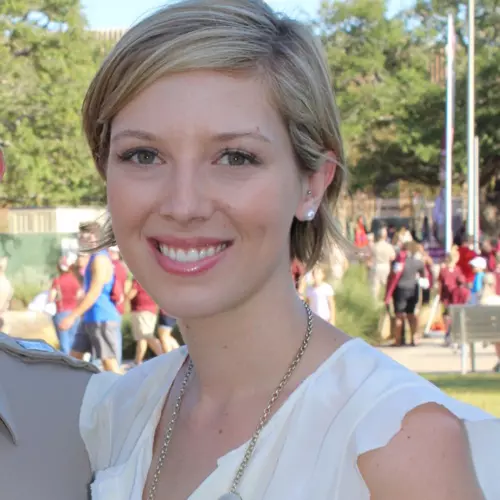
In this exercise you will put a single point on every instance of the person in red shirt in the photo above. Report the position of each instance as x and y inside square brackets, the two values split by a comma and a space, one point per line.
[448, 279]
[461, 294]
[143, 317]
[466, 254]
[360, 236]
[65, 291]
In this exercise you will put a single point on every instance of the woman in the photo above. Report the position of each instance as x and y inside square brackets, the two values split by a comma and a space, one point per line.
[143, 313]
[216, 118]
[406, 294]
[166, 326]
[360, 236]
[65, 291]
[427, 282]
[448, 279]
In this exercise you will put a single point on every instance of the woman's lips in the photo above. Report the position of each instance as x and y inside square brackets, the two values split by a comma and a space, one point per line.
[189, 256]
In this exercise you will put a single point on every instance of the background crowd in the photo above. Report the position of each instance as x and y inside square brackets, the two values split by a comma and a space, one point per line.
[403, 277]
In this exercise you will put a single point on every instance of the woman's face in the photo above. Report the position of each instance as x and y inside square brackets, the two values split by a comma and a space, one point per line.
[202, 189]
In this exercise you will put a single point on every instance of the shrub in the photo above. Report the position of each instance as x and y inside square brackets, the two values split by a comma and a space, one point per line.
[28, 282]
[25, 292]
[358, 314]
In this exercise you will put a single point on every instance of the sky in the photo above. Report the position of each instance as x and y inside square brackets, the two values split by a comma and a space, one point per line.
[116, 14]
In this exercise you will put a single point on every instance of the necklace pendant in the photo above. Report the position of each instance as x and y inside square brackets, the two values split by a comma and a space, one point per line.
[230, 496]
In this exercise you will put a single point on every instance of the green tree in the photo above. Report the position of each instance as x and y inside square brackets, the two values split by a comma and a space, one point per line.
[380, 72]
[393, 111]
[46, 61]
[430, 18]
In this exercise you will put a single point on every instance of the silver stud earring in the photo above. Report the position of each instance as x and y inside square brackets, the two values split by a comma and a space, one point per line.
[310, 214]
[309, 192]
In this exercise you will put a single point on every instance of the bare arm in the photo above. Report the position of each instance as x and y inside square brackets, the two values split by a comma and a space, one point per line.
[429, 458]
[52, 295]
[101, 273]
[392, 256]
[131, 294]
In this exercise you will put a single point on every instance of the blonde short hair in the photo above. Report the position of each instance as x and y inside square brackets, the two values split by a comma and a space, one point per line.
[231, 36]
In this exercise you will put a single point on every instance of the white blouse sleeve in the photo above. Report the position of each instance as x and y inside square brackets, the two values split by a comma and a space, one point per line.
[95, 416]
[482, 429]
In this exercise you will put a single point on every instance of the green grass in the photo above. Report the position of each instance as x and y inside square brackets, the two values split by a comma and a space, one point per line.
[479, 389]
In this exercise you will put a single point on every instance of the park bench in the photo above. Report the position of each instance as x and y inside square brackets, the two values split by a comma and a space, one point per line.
[474, 323]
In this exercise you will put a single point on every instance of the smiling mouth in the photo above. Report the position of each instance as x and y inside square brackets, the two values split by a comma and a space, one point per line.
[187, 255]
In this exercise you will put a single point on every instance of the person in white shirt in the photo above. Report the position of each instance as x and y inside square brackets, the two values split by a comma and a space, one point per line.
[321, 297]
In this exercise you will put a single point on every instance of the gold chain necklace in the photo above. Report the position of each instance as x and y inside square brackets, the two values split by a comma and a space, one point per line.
[233, 492]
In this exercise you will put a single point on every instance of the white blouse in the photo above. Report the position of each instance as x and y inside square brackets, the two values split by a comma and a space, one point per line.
[354, 402]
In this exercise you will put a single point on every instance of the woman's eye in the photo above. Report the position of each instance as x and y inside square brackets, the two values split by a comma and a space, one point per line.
[141, 156]
[237, 159]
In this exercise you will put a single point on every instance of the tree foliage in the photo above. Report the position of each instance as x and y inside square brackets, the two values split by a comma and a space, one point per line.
[46, 61]
[393, 110]
[391, 103]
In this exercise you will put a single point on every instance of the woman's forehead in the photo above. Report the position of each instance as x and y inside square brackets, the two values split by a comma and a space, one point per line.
[207, 101]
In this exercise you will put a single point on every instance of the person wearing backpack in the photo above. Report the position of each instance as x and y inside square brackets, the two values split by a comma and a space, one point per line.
[100, 319]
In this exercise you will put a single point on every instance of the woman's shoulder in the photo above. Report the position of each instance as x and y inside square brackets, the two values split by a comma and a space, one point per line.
[114, 405]
[372, 394]
[379, 395]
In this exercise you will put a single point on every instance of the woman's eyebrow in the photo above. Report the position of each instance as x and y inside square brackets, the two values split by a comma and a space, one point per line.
[219, 137]
[228, 136]
[136, 134]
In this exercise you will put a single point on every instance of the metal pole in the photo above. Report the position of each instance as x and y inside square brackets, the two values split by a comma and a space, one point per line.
[471, 104]
[477, 193]
[449, 138]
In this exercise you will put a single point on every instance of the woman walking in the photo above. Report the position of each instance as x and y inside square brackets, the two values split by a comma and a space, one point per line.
[65, 291]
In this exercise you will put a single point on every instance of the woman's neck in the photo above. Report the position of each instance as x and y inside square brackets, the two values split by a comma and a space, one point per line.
[249, 347]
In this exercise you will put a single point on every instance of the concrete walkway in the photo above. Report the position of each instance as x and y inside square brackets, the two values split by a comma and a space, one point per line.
[430, 356]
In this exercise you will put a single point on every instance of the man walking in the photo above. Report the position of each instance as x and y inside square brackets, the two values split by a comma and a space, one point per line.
[98, 330]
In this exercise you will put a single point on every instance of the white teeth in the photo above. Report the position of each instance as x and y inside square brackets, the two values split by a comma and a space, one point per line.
[181, 256]
[192, 254]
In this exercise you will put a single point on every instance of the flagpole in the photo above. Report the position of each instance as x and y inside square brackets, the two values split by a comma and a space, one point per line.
[449, 137]
[471, 177]
[477, 187]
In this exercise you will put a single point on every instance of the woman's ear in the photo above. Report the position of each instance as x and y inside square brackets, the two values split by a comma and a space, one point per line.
[315, 185]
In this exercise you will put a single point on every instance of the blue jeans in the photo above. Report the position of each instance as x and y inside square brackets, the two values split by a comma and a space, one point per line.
[65, 337]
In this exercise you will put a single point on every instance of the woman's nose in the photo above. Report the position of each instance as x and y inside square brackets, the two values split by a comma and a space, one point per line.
[185, 196]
